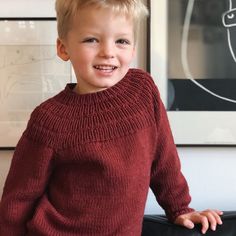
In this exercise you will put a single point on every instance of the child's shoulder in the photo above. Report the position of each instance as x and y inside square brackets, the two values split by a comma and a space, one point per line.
[140, 73]
[44, 108]
[142, 77]
[43, 121]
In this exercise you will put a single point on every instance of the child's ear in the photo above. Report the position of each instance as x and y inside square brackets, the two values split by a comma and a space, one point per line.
[61, 50]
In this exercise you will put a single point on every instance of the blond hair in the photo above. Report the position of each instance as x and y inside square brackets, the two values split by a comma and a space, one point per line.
[67, 9]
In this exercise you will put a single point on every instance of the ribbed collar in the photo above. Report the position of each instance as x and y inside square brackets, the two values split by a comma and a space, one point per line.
[69, 97]
[117, 111]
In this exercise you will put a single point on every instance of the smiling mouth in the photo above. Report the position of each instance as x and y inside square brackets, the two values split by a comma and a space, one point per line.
[105, 68]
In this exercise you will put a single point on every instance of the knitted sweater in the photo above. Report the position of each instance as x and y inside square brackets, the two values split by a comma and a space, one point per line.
[84, 164]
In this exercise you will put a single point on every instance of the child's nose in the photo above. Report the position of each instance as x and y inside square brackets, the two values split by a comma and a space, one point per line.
[107, 50]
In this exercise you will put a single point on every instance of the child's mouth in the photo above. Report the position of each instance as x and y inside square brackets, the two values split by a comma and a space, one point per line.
[105, 68]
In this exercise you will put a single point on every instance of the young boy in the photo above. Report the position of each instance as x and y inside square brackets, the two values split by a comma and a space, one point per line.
[85, 162]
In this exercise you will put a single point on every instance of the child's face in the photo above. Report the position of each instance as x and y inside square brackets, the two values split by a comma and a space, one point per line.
[100, 46]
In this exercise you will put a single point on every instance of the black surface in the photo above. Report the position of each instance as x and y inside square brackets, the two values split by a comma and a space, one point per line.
[156, 225]
[184, 95]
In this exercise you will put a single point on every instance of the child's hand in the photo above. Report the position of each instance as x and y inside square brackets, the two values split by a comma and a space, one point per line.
[203, 217]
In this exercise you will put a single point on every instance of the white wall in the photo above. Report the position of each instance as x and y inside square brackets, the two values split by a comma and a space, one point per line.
[211, 176]
[209, 170]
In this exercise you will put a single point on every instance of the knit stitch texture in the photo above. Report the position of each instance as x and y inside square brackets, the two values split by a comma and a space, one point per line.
[84, 164]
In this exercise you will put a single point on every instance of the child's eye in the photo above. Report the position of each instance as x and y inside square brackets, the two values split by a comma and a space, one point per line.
[123, 41]
[90, 40]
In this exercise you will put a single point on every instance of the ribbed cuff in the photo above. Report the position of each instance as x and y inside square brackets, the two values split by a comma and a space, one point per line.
[173, 215]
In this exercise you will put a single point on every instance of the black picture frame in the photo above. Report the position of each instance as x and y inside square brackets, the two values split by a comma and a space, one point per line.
[190, 127]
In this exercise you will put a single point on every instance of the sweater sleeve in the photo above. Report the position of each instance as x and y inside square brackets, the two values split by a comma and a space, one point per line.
[25, 183]
[167, 181]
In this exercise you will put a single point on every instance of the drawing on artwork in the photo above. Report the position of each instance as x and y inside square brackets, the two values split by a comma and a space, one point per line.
[30, 72]
[229, 21]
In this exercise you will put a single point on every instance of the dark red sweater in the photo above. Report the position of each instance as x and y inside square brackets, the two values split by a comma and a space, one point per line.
[85, 163]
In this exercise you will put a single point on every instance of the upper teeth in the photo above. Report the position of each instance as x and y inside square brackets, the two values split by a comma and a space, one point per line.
[105, 67]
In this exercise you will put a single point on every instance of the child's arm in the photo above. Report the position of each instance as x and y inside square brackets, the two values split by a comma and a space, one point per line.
[26, 181]
[167, 181]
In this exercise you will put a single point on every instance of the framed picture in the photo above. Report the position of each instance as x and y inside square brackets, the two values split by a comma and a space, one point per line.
[192, 55]
[30, 72]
